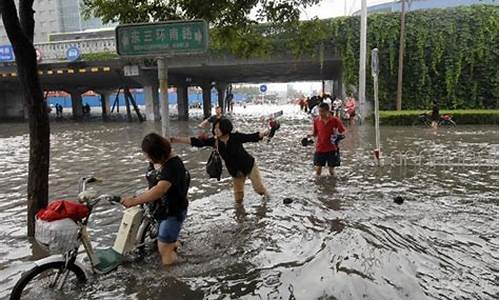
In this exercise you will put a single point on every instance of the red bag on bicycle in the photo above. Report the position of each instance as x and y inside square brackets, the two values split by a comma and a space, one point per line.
[61, 209]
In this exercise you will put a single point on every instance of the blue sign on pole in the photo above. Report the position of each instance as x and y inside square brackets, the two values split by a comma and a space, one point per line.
[73, 54]
[6, 53]
[375, 66]
[263, 88]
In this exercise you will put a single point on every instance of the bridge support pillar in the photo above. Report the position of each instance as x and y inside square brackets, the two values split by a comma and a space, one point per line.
[105, 104]
[221, 95]
[182, 102]
[26, 112]
[152, 102]
[76, 104]
[207, 100]
[339, 88]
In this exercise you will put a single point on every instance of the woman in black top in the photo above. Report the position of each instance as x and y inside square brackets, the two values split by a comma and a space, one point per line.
[239, 163]
[171, 187]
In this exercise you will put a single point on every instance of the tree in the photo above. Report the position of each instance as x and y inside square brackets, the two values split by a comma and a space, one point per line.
[20, 31]
[218, 13]
[230, 21]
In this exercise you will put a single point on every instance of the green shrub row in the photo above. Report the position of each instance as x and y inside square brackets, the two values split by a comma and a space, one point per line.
[461, 117]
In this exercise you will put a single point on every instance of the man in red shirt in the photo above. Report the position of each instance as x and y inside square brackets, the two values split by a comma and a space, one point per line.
[326, 128]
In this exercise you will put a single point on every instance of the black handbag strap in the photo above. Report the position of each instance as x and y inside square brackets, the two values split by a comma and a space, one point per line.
[217, 145]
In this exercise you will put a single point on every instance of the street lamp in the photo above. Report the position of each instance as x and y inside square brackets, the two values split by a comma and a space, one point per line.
[362, 60]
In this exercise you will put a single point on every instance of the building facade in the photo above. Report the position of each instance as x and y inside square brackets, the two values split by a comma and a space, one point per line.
[56, 16]
[395, 6]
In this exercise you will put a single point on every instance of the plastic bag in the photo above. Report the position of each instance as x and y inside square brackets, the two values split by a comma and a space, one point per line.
[58, 236]
[61, 209]
[214, 165]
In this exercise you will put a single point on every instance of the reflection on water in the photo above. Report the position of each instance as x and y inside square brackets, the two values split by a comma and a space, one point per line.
[341, 238]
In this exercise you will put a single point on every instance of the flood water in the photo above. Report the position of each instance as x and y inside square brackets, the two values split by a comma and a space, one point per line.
[340, 238]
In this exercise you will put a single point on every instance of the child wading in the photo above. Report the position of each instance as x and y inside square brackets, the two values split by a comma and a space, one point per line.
[325, 129]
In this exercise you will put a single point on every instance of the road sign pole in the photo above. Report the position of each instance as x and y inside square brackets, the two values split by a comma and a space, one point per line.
[263, 90]
[375, 71]
[377, 119]
[163, 82]
[362, 61]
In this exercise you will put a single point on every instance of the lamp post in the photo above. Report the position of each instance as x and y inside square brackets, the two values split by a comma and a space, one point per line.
[362, 61]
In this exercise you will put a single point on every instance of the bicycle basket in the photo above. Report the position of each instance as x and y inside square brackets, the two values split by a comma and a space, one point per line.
[57, 236]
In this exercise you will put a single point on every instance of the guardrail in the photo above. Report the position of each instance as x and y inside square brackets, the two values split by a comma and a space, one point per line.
[51, 52]
[56, 51]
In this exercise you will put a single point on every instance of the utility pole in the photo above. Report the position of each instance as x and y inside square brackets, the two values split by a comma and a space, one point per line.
[401, 56]
[163, 83]
[362, 61]
[375, 71]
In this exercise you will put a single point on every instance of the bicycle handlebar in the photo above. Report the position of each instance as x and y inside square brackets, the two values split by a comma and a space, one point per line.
[93, 202]
[115, 199]
[90, 197]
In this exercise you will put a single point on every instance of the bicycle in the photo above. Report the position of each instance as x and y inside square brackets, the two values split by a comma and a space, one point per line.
[346, 117]
[60, 273]
[444, 120]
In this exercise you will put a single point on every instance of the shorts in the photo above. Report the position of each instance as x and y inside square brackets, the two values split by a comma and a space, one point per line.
[255, 178]
[331, 158]
[171, 227]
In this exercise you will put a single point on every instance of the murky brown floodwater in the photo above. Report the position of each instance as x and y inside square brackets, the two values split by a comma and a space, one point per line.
[341, 238]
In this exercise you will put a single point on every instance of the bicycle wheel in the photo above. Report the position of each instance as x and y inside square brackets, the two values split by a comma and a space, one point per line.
[148, 236]
[425, 121]
[449, 123]
[42, 282]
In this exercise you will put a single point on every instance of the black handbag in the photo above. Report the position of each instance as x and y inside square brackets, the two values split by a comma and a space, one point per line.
[214, 163]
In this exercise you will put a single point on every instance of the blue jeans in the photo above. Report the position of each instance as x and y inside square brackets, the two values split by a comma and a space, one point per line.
[171, 227]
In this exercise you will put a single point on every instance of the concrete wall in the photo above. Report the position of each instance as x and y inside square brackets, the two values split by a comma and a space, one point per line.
[94, 101]
[12, 106]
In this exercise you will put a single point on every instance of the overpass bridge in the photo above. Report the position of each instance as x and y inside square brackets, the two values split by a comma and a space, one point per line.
[102, 71]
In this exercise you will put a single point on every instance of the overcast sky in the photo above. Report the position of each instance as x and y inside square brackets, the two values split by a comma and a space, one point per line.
[335, 8]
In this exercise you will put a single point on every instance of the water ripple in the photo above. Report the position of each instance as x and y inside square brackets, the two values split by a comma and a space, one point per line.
[340, 238]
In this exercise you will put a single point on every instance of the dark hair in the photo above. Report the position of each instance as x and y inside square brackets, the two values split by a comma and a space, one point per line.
[156, 147]
[324, 105]
[225, 125]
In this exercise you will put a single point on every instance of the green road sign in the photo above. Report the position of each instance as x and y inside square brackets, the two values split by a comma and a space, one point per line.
[167, 38]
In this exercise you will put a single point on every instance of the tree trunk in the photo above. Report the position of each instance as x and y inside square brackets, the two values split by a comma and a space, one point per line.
[20, 34]
[27, 20]
[401, 57]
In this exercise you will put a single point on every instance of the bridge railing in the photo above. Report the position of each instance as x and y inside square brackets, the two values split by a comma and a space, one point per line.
[56, 51]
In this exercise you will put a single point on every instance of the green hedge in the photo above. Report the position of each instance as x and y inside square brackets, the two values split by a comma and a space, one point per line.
[451, 54]
[99, 56]
[461, 117]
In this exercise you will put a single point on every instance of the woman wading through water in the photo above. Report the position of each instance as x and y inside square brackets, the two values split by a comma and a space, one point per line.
[239, 163]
